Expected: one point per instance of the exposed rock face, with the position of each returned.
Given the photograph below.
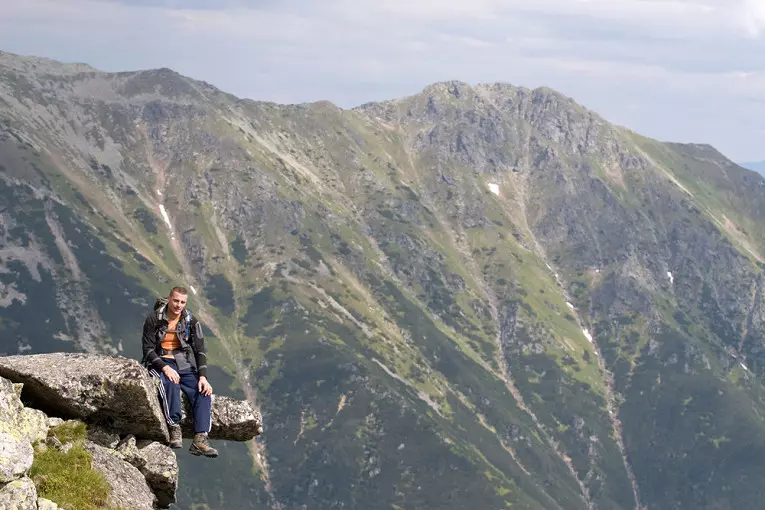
(103, 437)
(232, 420)
(112, 390)
(158, 464)
(19, 495)
(17, 429)
(19, 421)
(129, 487)
(117, 393)
(15, 457)
(117, 399)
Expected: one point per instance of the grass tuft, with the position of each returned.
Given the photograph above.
(68, 479)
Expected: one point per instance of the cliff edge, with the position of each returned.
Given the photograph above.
(87, 430)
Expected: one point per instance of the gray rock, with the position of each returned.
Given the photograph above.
(113, 390)
(103, 437)
(46, 504)
(19, 495)
(129, 451)
(158, 464)
(129, 487)
(54, 442)
(21, 423)
(55, 422)
(34, 424)
(16, 457)
(232, 420)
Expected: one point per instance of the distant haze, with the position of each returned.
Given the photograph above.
(757, 166)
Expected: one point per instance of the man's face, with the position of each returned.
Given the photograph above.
(176, 302)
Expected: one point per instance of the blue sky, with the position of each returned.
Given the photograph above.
(677, 70)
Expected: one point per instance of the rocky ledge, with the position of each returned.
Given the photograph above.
(115, 401)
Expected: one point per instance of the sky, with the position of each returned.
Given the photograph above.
(675, 70)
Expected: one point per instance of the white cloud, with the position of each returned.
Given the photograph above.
(753, 17)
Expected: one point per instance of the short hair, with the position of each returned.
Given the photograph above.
(179, 290)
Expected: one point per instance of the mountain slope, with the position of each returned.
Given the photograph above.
(475, 295)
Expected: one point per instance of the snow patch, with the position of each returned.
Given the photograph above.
(671, 278)
(193, 289)
(159, 193)
(744, 366)
(165, 216)
(494, 188)
(587, 335)
(570, 305)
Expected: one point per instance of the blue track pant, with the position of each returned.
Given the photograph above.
(170, 397)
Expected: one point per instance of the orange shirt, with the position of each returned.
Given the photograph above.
(171, 341)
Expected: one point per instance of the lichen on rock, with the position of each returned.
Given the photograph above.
(19, 494)
(158, 464)
(95, 388)
(15, 457)
(128, 485)
(104, 418)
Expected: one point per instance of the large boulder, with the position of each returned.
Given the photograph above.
(19, 494)
(21, 423)
(232, 420)
(16, 457)
(129, 487)
(158, 464)
(114, 391)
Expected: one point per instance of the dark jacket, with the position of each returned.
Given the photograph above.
(189, 334)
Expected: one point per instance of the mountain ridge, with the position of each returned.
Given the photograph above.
(490, 276)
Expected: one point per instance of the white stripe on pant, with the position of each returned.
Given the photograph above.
(163, 396)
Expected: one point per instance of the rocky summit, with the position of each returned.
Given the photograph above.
(477, 296)
(98, 394)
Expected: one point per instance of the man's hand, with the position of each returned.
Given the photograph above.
(204, 386)
(171, 374)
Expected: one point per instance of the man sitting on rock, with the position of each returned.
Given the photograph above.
(174, 351)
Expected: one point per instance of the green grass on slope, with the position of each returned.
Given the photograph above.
(726, 198)
(68, 479)
(388, 448)
(695, 440)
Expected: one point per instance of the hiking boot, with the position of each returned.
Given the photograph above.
(200, 446)
(176, 438)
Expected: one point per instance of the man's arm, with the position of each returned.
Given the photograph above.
(148, 343)
(200, 352)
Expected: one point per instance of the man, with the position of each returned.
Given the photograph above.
(174, 351)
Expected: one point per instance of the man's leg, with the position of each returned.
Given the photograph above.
(201, 407)
(170, 401)
(200, 404)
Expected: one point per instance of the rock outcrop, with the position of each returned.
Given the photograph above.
(232, 420)
(19, 494)
(110, 390)
(129, 487)
(126, 433)
(156, 462)
(116, 393)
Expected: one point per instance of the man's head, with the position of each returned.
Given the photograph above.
(176, 301)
